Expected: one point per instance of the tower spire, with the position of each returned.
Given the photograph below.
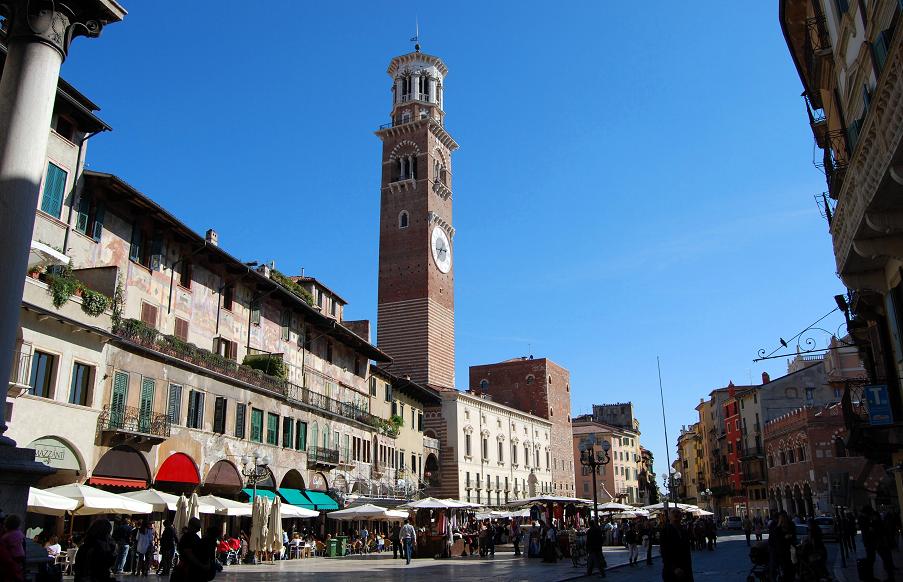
(416, 38)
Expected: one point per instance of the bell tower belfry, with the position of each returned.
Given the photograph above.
(416, 303)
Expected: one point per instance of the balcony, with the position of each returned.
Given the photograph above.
(430, 443)
(818, 51)
(130, 424)
(322, 458)
(19, 375)
(138, 334)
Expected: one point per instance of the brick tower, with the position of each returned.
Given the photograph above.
(416, 303)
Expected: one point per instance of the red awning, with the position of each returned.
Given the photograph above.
(179, 468)
(118, 482)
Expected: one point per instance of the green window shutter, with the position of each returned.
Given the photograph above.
(174, 408)
(256, 425)
(146, 406)
(84, 208)
(272, 429)
(97, 231)
(301, 436)
(240, 411)
(287, 426)
(54, 189)
(119, 398)
(313, 435)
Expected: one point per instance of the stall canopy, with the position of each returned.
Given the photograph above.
(223, 476)
(433, 503)
(366, 511)
(93, 501)
(121, 466)
(48, 503)
(295, 497)
(321, 501)
(271, 495)
(178, 468)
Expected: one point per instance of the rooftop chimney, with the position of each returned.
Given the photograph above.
(211, 237)
(765, 378)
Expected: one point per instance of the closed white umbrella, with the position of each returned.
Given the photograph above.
(160, 500)
(193, 510)
(274, 535)
(47, 503)
(93, 501)
(181, 519)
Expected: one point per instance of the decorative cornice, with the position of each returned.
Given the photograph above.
(399, 61)
(432, 218)
(402, 185)
(55, 24)
(441, 189)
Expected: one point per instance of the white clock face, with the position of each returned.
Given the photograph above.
(441, 249)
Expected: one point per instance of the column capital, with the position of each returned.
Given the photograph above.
(56, 23)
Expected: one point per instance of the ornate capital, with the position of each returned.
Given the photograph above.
(56, 22)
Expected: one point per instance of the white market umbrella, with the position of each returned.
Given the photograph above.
(703, 513)
(396, 514)
(160, 500)
(93, 501)
(365, 511)
(181, 519)
(615, 506)
(274, 535)
(289, 511)
(222, 506)
(661, 507)
(545, 499)
(433, 503)
(47, 503)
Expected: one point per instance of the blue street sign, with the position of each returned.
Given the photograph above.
(879, 404)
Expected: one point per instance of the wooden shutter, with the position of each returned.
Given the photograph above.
(174, 408)
(219, 415)
(199, 410)
(192, 407)
(181, 330)
(54, 188)
(146, 405)
(149, 314)
(256, 425)
(136, 243)
(119, 398)
(84, 209)
(240, 411)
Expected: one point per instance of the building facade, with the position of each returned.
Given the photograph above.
(491, 453)
(542, 388)
(619, 480)
(416, 302)
(690, 458)
(164, 361)
(849, 56)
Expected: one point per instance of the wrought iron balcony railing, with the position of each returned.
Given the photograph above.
(128, 419)
(322, 456)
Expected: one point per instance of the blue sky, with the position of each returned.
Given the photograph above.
(632, 181)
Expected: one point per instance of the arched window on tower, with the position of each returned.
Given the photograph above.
(484, 384)
(403, 219)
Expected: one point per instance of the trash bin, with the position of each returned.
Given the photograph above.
(332, 550)
(343, 545)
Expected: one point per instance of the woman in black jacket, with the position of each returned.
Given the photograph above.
(97, 555)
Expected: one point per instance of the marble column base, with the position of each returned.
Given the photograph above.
(18, 472)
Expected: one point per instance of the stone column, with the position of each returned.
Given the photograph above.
(432, 89)
(399, 88)
(415, 86)
(38, 41)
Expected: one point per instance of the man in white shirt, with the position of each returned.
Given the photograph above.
(408, 540)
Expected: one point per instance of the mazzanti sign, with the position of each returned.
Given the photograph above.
(54, 453)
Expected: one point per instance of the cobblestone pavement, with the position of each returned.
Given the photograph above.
(503, 568)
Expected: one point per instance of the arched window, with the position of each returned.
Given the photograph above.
(403, 219)
(530, 379)
(313, 435)
(325, 436)
(484, 384)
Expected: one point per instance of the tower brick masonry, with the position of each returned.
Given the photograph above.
(541, 387)
(416, 305)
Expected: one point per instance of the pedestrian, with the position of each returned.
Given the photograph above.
(550, 545)
(365, 538)
(121, 535)
(97, 555)
(781, 537)
(12, 550)
(595, 538)
(409, 539)
(192, 566)
(876, 541)
(747, 529)
(167, 548)
(490, 537)
(515, 537)
(711, 533)
(648, 535)
(849, 532)
(758, 526)
(677, 561)
(396, 541)
(144, 547)
(632, 538)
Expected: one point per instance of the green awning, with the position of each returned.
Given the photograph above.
(321, 500)
(260, 493)
(295, 497)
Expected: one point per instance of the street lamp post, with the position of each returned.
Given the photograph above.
(707, 497)
(254, 469)
(591, 462)
(675, 477)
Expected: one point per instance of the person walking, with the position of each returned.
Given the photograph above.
(144, 547)
(12, 550)
(408, 539)
(595, 539)
(632, 538)
(550, 545)
(490, 537)
(122, 534)
(677, 560)
(396, 541)
(758, 526)
(876, 541)
(515, 537)
(97, 555)
(647, 537)
(747, 529)
(192, 566)
(167, 548)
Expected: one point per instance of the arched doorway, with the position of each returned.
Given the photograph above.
(318, 482)
(431, 472)
(178, 473)
(788, 500)
(807, 499)
(293, 480)
(122, 466)
(223, 478)
(798, 505)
